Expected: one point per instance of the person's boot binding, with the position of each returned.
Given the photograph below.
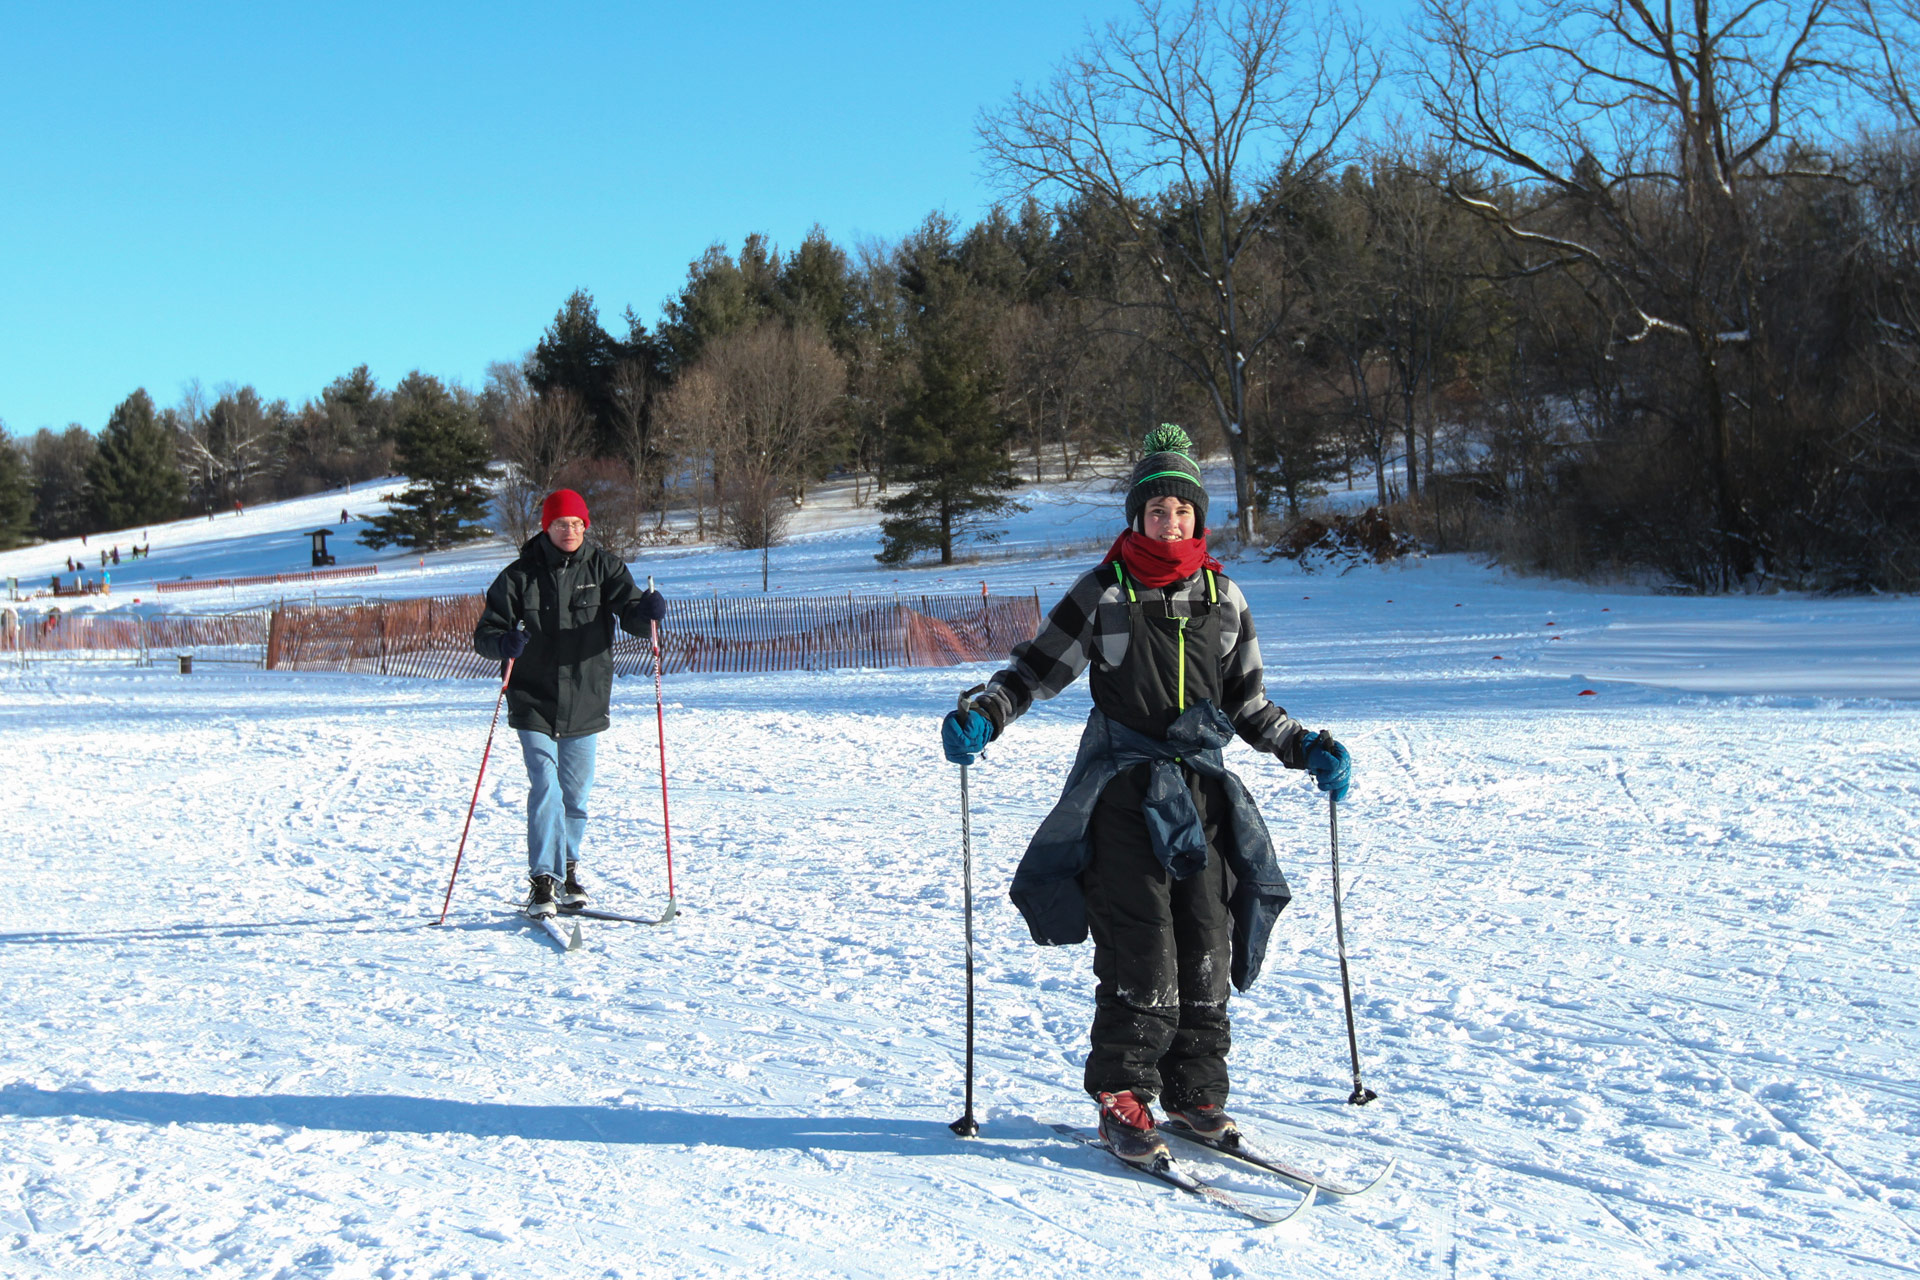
(1207, 1120)
(1127, 1127)
(540, 900)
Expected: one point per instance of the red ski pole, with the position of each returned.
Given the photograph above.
(461, 852)
(660, 727)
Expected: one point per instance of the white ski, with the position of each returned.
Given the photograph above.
(569, 939)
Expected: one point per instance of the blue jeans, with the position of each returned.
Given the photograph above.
(561, 771)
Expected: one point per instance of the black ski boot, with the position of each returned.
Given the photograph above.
(573, 894)
(1209, 1122)
(540, 903)
(1126, 1126)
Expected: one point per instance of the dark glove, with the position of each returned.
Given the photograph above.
(1330, 765)
(652, 606)
(512, 644)
(964, 735)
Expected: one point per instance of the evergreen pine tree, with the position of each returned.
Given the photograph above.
(575, 354)
(132, 478)
(16, 495)
(59, 464)
(441, 446)
(1294, 453)
(949, 447)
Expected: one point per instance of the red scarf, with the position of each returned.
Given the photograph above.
(1153, 563)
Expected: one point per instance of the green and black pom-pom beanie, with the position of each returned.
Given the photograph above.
(1167, 469)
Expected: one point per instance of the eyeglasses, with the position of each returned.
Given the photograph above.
(569, 524)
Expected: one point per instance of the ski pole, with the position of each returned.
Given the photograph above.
(966, 1126)
(505, 676)
(660, 727)
(1361, 1095)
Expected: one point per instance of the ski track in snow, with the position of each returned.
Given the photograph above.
(1636, 986)
(1634, 973)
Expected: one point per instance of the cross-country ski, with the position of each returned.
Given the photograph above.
(1174, 1174)
(1241, 1147)
(590, 913)
(567, 936)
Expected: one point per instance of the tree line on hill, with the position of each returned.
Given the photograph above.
(1594, 287)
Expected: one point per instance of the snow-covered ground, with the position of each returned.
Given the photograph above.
(1634, 971)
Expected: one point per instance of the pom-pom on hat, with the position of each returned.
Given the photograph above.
(1167, 469)
(560, 504)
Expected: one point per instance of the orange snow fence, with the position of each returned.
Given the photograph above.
(267, 579)
(54, 635)
(432, 636)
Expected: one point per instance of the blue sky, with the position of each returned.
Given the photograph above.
(273, 194)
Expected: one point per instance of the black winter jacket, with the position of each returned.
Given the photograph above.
(563, 682)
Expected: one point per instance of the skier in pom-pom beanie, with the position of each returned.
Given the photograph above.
(552, 611)
(1155, 848)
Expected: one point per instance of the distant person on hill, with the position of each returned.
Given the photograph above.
(116, 553)
(552, 611)
(344, 517)
(1154, 847)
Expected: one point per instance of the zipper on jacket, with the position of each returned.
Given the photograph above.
(1180, 700)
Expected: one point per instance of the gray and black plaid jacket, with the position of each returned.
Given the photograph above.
(1090, 624)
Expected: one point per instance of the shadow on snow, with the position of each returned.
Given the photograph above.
(389, 1113)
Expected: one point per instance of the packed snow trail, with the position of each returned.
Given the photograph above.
(1634, 976)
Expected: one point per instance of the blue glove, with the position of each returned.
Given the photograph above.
(1330, 765)
(964, 735)
(653, 606)
(512, 644)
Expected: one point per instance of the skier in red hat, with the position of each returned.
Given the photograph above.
(552, 612)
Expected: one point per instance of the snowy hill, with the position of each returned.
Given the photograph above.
(1634, 971)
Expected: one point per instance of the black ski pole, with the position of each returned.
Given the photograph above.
(1361, 1095)
(966, 1126)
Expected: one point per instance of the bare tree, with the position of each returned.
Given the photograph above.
(685, 428)
(1890, 35)
(1636, 142)
(1434, 266)
(781, 385)
(754, 413)
(647, 463)
(539, 437)
(1197, 125)
(226, 449)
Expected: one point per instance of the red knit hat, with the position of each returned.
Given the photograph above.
(560, 504)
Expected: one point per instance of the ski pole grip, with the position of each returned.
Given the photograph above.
(966, 699)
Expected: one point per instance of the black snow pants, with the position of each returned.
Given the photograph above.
(1162, 953)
